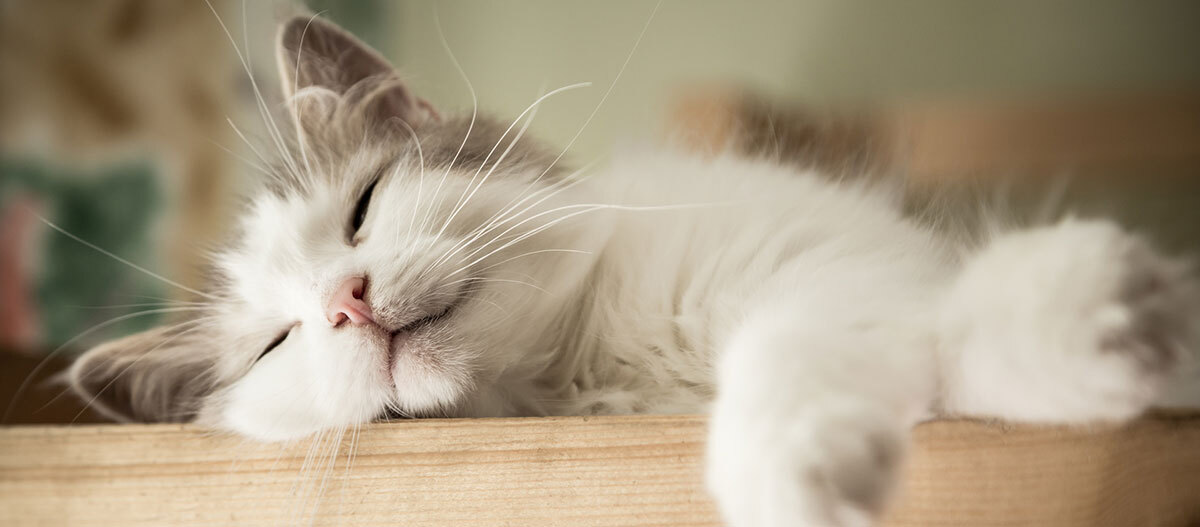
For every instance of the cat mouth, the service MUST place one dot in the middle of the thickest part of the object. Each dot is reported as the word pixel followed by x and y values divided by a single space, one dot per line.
pixel 401 338
pixel 412 342
pixel 431 319
pixel 421 323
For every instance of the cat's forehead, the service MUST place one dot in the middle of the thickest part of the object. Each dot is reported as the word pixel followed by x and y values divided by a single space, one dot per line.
pixel 322 169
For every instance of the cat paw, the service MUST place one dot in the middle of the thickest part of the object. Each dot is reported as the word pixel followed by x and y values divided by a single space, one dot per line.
pixel 1094 321
pixel 830 470
pixel 1140 324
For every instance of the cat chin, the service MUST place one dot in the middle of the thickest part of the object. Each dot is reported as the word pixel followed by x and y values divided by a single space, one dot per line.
pixel 290 425
pixel 273 403
pixel 425 380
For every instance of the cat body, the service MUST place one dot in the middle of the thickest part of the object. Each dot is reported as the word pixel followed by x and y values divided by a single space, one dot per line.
pixel 721 240
pixel 406 264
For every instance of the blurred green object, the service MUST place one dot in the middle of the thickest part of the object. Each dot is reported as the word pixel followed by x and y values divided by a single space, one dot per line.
pixel 76 287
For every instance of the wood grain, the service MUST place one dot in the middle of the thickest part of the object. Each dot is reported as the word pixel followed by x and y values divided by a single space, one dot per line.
pixel 642 471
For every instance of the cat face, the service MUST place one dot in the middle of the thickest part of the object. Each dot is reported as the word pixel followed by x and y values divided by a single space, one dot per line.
pixel 401 264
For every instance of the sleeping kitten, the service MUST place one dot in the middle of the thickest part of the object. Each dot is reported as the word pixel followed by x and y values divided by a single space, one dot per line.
pixel 410 264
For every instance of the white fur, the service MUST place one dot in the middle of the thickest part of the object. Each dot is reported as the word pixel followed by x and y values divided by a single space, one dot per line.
pixel 814 320
pixel 823 321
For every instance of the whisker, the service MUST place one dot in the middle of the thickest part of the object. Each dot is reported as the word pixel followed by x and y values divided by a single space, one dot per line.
pixel 532 107
pixel 296 86
pixel 531 253
pixel 335 443
pixel 60 394
pixel 198 325
pixel 474 112
pixel 144 304
pixel 485 280
pixel 20 391
pixel 271 126
pixel 498 218
pixel 261 169
pixel 587 207
pixel 607 92
pixel 249 144
pixel 148 272
pixel 421 181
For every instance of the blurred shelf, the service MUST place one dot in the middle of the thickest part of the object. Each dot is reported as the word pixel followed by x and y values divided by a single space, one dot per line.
pixel 950 140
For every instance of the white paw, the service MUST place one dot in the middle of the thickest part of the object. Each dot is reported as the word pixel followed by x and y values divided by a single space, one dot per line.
pixel 1142 320
pixel 1092 318
pixel 826 468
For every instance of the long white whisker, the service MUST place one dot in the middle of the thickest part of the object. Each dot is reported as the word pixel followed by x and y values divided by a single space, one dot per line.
pixel 46 360
pixel 607 92
pixel 60 394
pixel 587 207
pixel 555 188
pixel 334 447
pixel 470 127
pixel 272 127
pixel 498 280
pixel 502 216
pixel 520 134
pixel 530 253
pixel 249 144
pixel 241 158
pixel 296 87
pixel 197 324
pixel 420 183
pixel 169 303
pixel 497 222
pixel 124 261
pixel 467 197
pixel 540 228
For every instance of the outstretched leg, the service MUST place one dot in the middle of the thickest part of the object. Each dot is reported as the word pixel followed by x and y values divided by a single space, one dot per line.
pixel 1076 322
pixel 812 415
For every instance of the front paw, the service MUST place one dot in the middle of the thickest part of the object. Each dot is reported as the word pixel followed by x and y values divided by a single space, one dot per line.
pixel 1076 322
pixel 1119 322
pixel 826 469
pixel 1146 323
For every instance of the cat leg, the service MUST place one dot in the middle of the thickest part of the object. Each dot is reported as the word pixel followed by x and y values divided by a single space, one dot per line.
pixel 1076 322
pixel 811 419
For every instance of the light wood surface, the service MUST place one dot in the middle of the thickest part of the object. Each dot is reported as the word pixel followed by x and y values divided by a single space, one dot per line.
pixel 641 470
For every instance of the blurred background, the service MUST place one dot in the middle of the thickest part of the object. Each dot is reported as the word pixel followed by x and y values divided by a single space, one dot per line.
pixel 133 124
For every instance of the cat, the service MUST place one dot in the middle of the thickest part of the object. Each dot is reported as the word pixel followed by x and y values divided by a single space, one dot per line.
pixel 410 264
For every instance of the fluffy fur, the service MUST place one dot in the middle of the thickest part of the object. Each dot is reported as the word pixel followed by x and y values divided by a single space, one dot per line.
pixel 812 318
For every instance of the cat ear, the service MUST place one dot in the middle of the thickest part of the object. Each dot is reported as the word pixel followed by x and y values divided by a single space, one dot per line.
pixel 159 375
pixel 325 70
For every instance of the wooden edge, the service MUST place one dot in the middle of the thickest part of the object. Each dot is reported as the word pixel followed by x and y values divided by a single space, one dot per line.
pixel 640 470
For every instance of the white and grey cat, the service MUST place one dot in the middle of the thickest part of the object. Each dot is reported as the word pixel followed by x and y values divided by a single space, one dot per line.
pixel 410 264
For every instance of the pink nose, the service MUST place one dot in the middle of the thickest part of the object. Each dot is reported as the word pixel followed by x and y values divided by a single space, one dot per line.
pixel 347 304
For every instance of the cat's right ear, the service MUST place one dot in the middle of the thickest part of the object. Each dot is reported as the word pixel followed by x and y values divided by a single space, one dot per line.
pixel 326 71
pixel 158 375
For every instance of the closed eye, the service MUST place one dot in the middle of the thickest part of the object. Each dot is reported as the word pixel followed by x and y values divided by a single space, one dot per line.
pixel 360 208
pixel 275 343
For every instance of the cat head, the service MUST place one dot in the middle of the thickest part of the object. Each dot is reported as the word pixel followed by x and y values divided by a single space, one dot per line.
pixel 402 263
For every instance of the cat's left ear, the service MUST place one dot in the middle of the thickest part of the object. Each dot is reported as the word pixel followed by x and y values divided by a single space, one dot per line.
pixel 317 59
pixel 159 375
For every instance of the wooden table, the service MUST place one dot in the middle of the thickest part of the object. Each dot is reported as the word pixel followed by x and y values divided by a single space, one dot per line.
pixel 643 470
